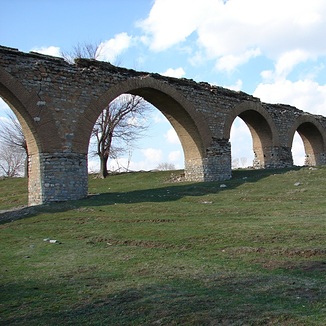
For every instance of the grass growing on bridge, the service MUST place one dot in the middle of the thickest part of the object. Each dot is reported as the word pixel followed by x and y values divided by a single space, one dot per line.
pixel 144 251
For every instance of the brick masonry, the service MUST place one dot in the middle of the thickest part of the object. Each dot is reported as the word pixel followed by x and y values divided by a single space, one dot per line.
pixel 57 104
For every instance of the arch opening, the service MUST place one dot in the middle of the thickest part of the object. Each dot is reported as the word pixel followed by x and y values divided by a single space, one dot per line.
pixel 17 100
pixel 179 118
pixel 298 150
pixel 187 123
pixel 156 144
pixel 13 145
pixel 313 143
pixel 242 154
pixel 261 135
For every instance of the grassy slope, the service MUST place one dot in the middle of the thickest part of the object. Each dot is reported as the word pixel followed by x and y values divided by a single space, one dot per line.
pixel 144 251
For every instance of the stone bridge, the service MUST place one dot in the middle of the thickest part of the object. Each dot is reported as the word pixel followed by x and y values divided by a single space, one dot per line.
pixel 57 104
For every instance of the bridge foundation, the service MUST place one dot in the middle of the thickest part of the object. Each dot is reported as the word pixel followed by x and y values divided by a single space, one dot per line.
pixel 315 159
pixel 217 163
pixel 272 157
pixel 57 177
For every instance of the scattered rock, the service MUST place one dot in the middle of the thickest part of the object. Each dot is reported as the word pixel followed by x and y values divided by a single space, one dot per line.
pixel 297 184
pixel 223 185
pixel 51 240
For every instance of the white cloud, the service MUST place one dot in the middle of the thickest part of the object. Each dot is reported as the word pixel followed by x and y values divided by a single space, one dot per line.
pixel 109 50
pixel 285 64
pixel 175 156
pixel 289 60
pixel 50 50
pixel 306 95
pixel 170 22
pixel 153 155
pixel 158 117
pixel 235 31
pixel 229 62
pixel 235 87
pixel 178 72
pixel 172 137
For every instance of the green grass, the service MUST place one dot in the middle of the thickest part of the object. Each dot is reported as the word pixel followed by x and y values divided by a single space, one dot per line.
pixel 144 251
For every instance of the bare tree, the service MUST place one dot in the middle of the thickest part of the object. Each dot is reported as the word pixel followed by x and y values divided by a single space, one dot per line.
pixel 120 124
pixel 166 166
pixel 83 50
pixel 243 161
pixel 11 161
pixel 12 137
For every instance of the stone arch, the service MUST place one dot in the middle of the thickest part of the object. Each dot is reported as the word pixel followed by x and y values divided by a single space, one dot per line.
pixel 187 122
pixel 313 138
pixel 21 102
pixel 262 128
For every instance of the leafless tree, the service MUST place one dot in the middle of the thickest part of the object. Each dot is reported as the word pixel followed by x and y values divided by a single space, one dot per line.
pixel 11 161
pixel 12 137
pixel 117 128
pixel 83 50
pixel 235 163
pixel 166 166
pixel 243 161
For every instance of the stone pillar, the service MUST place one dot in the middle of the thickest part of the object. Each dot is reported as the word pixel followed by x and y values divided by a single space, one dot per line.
pixel 194 170
pixel 273 157
pixel 215 166
pixel 34 180
pixel 316 159
pixel 55 177
pixel 217 163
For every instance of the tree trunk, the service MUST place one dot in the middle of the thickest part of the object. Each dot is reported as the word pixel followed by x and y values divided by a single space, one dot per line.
pixel 103 167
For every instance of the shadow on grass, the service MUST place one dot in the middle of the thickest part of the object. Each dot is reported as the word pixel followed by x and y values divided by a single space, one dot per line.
pixel 170 192
pixel 214 300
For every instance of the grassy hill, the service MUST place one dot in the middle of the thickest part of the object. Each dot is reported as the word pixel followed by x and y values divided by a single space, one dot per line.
pixel 142 250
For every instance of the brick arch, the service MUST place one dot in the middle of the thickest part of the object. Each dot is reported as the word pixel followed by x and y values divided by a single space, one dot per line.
pixel 313 138
pixel 23 104
pixel 262 128
pixel 187 122
pixel 20 101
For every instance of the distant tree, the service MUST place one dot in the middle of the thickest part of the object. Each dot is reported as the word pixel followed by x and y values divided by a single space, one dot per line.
pixel 166 166
pixel 235 163
pixel 119 125
pixel 243 161
pixel 12 137
pixel 11 161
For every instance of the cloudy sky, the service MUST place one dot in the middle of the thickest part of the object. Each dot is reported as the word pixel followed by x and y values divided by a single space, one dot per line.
pixel 272 49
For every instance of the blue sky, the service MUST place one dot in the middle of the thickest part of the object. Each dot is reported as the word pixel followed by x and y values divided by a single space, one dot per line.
pixel 272 49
